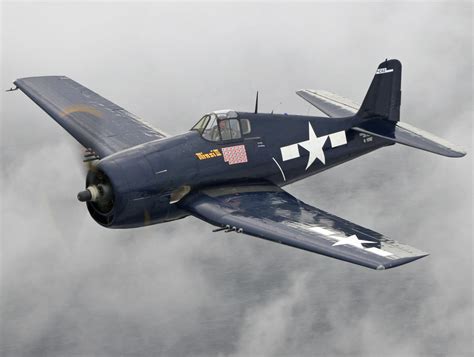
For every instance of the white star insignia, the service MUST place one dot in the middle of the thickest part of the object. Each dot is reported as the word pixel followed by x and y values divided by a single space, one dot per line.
pixel 351 240
pixel 314 145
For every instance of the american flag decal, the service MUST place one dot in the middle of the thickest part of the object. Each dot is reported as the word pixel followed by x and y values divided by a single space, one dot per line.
pixel 235 154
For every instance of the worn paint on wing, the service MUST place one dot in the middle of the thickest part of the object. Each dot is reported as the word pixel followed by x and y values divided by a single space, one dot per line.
pixel 82 109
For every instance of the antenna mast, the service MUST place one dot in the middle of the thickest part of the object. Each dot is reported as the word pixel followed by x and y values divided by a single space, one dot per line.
pixel 256 103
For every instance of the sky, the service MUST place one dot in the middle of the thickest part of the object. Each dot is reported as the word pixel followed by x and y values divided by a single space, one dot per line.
pixel 71 287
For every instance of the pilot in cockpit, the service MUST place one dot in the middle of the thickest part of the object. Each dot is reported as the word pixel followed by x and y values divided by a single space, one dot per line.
pixel 226 131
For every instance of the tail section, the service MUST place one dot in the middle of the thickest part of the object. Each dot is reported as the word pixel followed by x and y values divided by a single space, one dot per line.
pixel 381 109
pixel 380 112
pixel 384 95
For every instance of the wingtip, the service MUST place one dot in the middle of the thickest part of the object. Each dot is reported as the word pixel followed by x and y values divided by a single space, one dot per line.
pixel 399 262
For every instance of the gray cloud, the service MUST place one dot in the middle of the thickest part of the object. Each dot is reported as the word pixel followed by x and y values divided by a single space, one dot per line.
pixel 71 287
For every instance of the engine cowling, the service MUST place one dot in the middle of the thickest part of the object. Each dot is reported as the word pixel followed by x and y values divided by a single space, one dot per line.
pixel 123 191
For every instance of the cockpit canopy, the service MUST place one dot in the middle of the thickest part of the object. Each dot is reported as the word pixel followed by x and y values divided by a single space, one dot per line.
pixel 222 125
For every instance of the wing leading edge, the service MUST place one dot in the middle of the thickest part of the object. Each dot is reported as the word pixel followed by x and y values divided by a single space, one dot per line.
pixel 268 212
pixel 94 121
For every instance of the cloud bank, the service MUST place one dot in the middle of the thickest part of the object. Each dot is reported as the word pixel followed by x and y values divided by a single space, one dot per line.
pixel 71 287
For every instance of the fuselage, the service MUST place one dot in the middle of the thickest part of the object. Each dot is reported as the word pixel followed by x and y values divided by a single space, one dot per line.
pixel 150 179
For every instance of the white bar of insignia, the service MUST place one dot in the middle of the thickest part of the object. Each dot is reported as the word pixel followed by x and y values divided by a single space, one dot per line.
pixel 290 152
pixel 322 230
pixel 378 251
pixel 338 139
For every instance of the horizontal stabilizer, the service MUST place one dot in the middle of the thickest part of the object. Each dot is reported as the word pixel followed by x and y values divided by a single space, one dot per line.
pixel 329 103
pixel 406 134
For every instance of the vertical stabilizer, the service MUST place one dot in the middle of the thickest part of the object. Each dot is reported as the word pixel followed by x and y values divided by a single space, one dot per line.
pixel 384 94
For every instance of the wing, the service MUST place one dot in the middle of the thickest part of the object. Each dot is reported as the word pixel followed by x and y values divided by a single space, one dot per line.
pixel 329 103
pixel 268 212
pixel 94 121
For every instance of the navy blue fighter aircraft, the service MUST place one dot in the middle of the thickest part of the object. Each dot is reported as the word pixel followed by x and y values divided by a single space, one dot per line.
pixel 228 170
